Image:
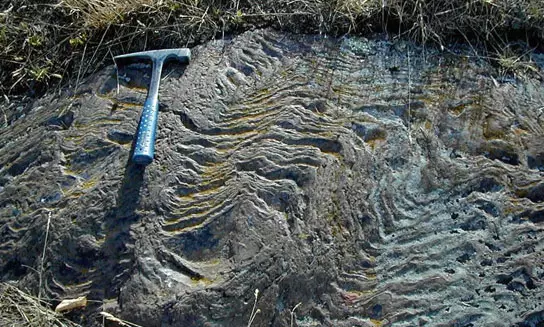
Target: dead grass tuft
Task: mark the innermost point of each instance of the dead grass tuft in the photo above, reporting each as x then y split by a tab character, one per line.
101	13
20	309
45	44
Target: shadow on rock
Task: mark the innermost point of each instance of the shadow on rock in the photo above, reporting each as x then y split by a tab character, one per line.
118	246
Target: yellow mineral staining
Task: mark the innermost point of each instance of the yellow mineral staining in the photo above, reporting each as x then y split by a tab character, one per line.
128	106
520	131
269	103
198	218
209	184
209	193
87	270
194	206
428	125
378	134
214	171
70	172
242	135
377	323
493	129
79	285
89	183
259	96
332	216
108	121
336	230
329	134
201	281
74	138
186	198
197	207
521	193
360	293
178	231
375	143
17	229
371	275
303	236
458	109
251	117
215	262
74	194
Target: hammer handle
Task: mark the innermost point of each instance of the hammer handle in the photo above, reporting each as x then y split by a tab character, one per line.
147	129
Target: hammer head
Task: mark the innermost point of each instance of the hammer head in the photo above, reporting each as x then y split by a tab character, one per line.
181	54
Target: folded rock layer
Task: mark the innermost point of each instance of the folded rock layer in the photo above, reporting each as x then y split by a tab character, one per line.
377	183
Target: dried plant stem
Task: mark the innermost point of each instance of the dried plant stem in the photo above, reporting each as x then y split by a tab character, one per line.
18	308
293	313
43	257
50	42
253	311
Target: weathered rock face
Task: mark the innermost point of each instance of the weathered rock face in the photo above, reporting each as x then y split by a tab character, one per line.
377	183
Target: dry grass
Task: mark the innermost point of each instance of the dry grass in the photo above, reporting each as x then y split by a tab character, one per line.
20	309
100	13
45	44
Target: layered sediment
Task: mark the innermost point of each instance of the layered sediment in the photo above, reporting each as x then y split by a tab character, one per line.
377	183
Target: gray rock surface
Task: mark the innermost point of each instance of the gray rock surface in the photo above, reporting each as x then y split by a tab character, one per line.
376	182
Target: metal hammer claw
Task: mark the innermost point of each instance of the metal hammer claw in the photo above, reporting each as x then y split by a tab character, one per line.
147	128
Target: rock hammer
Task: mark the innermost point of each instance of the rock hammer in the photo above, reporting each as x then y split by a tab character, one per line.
147	128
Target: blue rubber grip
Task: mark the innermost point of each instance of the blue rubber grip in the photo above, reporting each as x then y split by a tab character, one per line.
147	130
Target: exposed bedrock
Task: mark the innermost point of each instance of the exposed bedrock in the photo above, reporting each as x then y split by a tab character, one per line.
375	182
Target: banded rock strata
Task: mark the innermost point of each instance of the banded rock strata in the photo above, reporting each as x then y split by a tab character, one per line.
377	183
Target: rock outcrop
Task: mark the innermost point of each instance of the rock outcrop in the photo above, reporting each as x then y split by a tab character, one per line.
378	183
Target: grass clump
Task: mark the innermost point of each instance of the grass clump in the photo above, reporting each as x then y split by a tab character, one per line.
20	309
48	43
